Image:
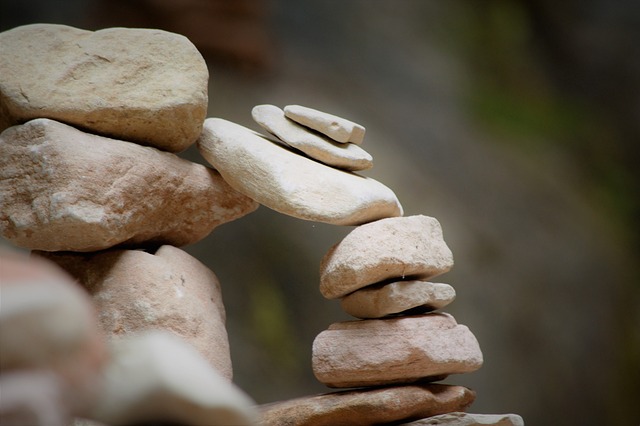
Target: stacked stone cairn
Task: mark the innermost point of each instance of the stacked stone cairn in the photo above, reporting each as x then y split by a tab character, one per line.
110	322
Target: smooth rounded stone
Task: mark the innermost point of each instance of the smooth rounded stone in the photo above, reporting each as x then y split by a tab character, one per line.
345	156
170	290
337	128
290	183
157	377
409	247
469	419
364	407
63	189
378	301
142	85
397	350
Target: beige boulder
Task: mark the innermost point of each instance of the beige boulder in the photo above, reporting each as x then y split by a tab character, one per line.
157	378
378	301
63	189
290	183
469	419
364	407
142	85
337	128
398	350
395	248
345	156
170	290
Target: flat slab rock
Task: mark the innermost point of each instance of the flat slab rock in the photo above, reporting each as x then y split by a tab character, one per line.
290	183
64	189
337	128
345	156
170	290
365	407
142	85
396	350
469	419
399	248
378	301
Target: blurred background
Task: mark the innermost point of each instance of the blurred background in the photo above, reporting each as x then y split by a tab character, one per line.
516	123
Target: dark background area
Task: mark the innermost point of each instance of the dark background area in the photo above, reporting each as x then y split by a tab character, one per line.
516	123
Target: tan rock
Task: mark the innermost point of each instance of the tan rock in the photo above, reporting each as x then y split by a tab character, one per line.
142	85
63	189
345	156
290	183
395	248
378	301
468	419
170	290
398	350
337	128
156	377
368	406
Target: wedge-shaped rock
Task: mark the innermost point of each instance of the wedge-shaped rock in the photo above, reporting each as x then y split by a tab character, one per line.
142	85
378	301
396	248
63	189
290	183
469	419
170	290
365	407
337	128
345	156
156	377
397	350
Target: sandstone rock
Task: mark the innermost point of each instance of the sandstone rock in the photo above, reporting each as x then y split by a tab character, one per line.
157	377
379	301
63	189
142	85
365	407
337	128
345	156
169	290
290	183
467	419
395	248
398	350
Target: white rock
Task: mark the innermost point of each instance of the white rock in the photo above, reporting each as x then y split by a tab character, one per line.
290	183
337	128
379	301
469	419
156	377
142	85
345	156
389	249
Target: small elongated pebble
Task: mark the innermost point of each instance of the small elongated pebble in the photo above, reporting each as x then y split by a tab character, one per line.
64	189
395	248
337	128
364	407
379	301
345	156
469	419
141	85
397	350
290	183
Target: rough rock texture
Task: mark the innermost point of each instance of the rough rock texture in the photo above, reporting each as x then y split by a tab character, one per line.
290	183
142	85
378	301
157	377
395	248
345	156
398	350
170	290
368	406
468	419
337	128
63	189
